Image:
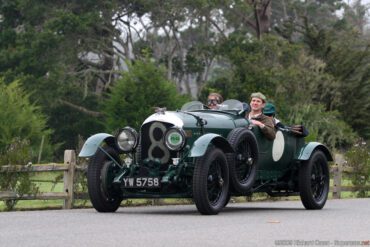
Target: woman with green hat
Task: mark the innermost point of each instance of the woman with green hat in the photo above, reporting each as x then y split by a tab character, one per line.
269	110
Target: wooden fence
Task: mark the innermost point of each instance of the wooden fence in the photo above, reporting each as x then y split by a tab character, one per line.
337	171
70	167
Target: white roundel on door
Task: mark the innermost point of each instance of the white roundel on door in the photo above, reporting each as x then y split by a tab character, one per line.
278	146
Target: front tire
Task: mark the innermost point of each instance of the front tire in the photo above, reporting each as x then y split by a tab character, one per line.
211	182
100	173
314	181
227	199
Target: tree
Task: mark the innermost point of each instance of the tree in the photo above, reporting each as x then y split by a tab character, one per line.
346	53
136	94
288	17
72	53
289	77
65	52
340	44
22	120
22	130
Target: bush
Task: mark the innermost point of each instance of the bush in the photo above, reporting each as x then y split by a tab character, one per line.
21	120
23	127
324	126
134	97
16	153
358	157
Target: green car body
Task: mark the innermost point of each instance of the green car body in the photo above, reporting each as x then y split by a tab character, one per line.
208	155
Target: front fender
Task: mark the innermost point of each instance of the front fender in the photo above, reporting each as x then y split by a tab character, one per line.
201	144
93	142
306	151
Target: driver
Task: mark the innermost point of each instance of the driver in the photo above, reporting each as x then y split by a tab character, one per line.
213	100
256	117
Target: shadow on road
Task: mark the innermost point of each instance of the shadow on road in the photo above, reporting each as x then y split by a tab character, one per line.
192	210
252	209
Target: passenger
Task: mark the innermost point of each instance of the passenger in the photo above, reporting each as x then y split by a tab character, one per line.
299	130
214	99
256	117
270	111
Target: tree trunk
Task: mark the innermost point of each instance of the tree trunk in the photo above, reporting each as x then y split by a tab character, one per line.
107	55
262	15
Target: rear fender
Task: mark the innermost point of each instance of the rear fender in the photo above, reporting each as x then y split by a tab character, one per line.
201	144
93	142
306	151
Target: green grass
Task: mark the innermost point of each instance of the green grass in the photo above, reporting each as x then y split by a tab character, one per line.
45	181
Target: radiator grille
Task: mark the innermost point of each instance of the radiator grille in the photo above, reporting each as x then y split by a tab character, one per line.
152	143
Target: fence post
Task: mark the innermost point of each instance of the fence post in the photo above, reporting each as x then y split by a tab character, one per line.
337	178
68	178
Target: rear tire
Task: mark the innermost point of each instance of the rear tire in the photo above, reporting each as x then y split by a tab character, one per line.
314	181
243	163
211	182
100	173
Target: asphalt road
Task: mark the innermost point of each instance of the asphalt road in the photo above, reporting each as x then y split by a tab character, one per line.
285	223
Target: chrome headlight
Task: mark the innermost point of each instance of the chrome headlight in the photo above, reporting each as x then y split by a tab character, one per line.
175	139
127	139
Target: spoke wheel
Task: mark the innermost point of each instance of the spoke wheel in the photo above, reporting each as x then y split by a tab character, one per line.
100	174
242	163
314	181
211	182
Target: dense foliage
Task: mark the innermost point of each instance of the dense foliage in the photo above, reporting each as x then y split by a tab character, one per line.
18	152
22	121
311	58
292	80
24	138
358	158
135	96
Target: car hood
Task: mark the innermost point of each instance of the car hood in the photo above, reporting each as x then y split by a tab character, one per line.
186	120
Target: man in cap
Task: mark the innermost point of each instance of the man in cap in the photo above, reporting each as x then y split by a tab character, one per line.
256	117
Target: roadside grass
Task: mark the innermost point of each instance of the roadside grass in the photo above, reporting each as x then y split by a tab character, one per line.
53	182
46	182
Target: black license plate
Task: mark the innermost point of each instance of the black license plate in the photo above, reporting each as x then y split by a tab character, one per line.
141	182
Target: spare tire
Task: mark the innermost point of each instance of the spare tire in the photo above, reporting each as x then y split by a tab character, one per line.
243	162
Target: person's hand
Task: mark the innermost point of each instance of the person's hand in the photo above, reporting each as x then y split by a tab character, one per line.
297	129
258	123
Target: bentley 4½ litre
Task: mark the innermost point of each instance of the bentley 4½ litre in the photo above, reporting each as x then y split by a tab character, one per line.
203	154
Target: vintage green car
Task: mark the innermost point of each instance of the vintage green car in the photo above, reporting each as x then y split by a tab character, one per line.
203	154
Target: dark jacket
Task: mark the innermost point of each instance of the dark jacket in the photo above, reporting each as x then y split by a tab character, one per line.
269	129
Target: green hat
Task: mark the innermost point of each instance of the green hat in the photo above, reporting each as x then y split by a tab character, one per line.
269	109
259	95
